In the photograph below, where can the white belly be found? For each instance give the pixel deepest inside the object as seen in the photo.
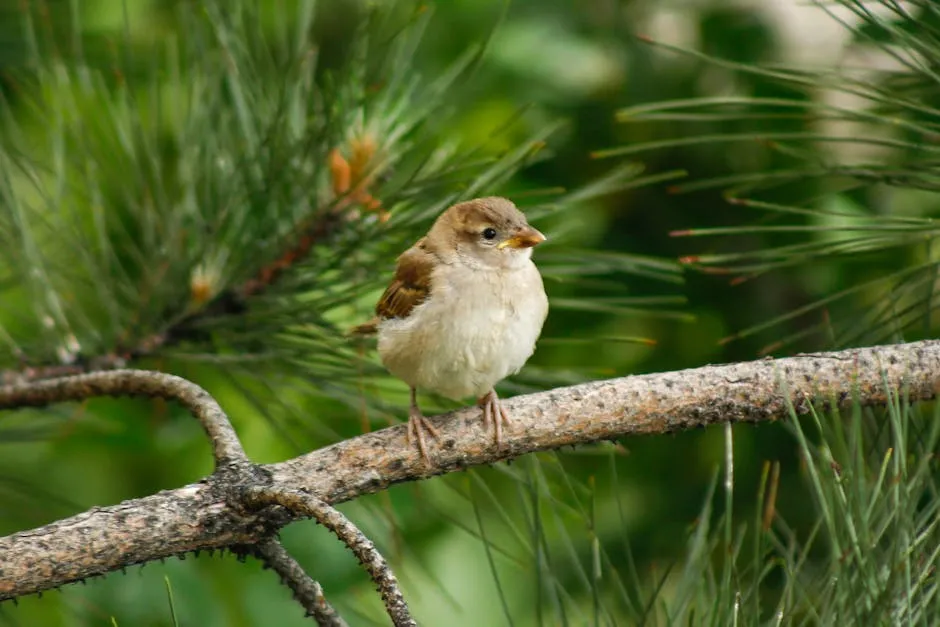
(466, 338)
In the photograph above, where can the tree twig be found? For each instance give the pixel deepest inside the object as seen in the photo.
(306, 505)
(308, 592)
(226, 446)
(313, 230)
(209, 514)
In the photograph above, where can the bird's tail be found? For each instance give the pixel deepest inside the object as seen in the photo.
(366, 328)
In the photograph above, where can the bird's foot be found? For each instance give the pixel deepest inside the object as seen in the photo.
(494, 413)
(418, 428)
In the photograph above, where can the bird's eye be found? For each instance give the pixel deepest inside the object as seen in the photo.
(489, 233)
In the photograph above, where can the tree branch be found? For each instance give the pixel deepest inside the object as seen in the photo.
(308, 592)
(226, 447)
(315, 229)
(213, 513)
(307, 506)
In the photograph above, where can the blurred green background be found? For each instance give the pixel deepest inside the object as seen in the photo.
(548, 539)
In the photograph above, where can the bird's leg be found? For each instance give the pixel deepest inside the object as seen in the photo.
(417, 426)
(495, 413)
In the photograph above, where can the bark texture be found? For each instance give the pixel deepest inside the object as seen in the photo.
(215, 512)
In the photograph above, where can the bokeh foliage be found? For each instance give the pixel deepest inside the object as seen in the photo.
(156, 155)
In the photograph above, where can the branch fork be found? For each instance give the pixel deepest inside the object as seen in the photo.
(235, 506)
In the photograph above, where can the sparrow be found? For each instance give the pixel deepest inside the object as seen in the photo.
(464, 310)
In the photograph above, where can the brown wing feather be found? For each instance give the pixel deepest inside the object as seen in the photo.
(410, 287)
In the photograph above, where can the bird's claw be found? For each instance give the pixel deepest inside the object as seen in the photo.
(494, 413)
(418, 425)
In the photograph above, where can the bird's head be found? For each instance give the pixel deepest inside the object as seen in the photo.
(485, 233)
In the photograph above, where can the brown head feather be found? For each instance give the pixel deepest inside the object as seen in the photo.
(465, 221)
(459, 227)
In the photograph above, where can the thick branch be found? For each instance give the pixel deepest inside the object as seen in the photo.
(207, 515)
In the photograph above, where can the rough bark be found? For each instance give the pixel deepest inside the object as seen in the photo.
(213, 513)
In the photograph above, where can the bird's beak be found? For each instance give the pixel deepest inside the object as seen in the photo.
(526, 238)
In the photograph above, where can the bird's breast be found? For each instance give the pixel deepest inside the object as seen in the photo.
(476, 328)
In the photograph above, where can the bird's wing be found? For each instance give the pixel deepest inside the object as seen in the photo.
(410, 287)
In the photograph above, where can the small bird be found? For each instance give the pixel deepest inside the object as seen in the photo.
(464, 310)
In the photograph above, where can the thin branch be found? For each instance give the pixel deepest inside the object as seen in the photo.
(306, 505)
(307, 235)
(314, 230)
(226, 447)
(209, 514)
(306, 591)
